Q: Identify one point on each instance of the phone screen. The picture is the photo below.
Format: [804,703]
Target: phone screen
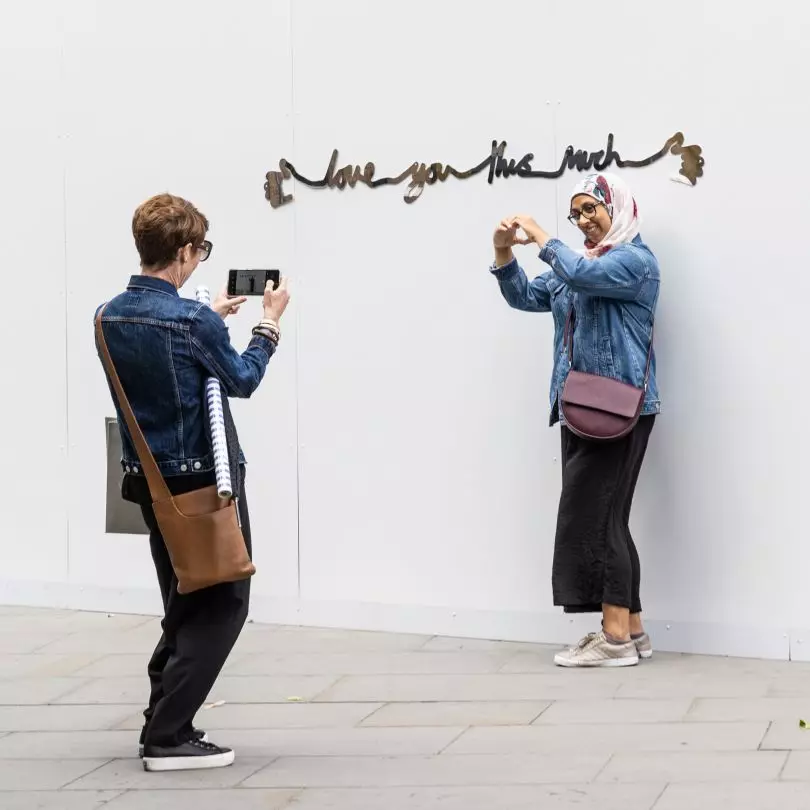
[251,282]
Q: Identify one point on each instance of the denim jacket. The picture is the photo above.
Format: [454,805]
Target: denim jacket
[164,347]
[614,299]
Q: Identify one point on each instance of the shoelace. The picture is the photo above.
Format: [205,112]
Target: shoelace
[584,642]
[205,746]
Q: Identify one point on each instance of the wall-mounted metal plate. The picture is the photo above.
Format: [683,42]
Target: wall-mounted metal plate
[123,517]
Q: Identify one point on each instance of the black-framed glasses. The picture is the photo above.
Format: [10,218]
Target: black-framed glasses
[205,248]
[588,211]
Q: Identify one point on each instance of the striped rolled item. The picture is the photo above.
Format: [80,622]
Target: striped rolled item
[213,395]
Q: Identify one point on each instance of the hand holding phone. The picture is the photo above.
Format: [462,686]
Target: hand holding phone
[276,300]
[251,282]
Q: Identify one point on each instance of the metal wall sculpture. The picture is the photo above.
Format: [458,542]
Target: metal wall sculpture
[496,164]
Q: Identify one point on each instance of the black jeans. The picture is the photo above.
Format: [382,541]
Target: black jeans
[199,629]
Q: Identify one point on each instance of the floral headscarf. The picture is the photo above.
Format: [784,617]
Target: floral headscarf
[617,199]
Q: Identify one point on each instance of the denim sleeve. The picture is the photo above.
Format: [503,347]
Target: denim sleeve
[240,374]
[620,273]
[519,292]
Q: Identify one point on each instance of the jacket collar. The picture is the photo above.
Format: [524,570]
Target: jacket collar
[142,282]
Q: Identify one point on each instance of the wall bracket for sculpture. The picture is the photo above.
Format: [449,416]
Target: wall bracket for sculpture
[496,164]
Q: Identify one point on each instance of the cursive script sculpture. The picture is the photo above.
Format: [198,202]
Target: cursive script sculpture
[422,174]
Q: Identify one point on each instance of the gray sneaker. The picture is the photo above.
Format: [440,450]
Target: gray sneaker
[644,646]
[596,651]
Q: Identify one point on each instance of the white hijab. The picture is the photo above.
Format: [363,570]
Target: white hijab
[617,198]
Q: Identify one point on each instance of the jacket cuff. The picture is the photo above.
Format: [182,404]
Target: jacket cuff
[265,344]
[549,250]
[504,271]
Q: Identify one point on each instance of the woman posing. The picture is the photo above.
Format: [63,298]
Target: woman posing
[607,294]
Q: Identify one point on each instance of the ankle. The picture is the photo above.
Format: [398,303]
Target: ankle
[617,639]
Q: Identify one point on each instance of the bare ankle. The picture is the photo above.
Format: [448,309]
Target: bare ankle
[636,625]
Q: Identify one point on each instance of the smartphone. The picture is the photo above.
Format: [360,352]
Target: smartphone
[251,282]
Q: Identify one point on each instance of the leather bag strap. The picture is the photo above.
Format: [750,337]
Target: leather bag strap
[157,484]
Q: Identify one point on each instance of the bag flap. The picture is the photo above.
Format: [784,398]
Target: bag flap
[602,394]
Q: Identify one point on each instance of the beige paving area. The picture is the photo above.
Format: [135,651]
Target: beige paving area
[342,720]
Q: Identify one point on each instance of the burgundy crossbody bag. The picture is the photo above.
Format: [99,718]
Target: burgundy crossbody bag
[596,407]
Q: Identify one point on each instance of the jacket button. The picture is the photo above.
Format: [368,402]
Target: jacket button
[135,469]
[127,468]
[197,465]
[184,467]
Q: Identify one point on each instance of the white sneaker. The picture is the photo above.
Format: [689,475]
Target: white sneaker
[596,651]
[644,646]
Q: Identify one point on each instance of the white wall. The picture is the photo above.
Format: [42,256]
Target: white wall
[402,474]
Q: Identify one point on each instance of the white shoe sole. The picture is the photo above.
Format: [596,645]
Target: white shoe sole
[163,764]
[604,662]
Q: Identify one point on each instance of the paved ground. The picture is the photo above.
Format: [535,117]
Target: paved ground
[336,720]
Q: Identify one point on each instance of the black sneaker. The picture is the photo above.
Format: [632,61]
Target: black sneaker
[190,756]
[196,734]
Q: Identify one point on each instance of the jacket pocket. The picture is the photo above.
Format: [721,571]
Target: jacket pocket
[606,366]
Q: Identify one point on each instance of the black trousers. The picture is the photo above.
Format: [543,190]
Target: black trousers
[595,559]
[199,629]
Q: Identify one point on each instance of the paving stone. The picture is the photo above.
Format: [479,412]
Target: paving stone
[798,766]
[121,665]
[336,742]
[366,663]
[43,665]
[57,800]
[204,800]
[787,735]
[71,622]
[247,689]
[318,640]
[427,771]
[273,715]
[421,688]
[69,745]
[742,709]
[694,766]
[348,720]
[21,641]
[64,718]
[39,774]
[736,796]
[449,644]
[128,774]
[666,685]
[614,711]
[556,797]
[503,713]
[609,738]
[36,691]
[120,691]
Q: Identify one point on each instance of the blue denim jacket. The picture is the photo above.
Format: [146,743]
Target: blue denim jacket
[164,347]
[614,299]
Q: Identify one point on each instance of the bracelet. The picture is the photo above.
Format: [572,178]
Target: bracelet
[269,322]
[274,332]
[273,337]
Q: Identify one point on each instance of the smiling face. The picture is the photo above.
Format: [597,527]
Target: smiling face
[591,217]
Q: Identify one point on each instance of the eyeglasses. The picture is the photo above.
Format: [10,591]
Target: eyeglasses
[205,248]
[588,211]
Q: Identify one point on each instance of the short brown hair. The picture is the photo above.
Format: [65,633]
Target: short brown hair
[164,224]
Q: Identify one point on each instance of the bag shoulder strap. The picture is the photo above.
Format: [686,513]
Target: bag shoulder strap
[568,338]
[157,484]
